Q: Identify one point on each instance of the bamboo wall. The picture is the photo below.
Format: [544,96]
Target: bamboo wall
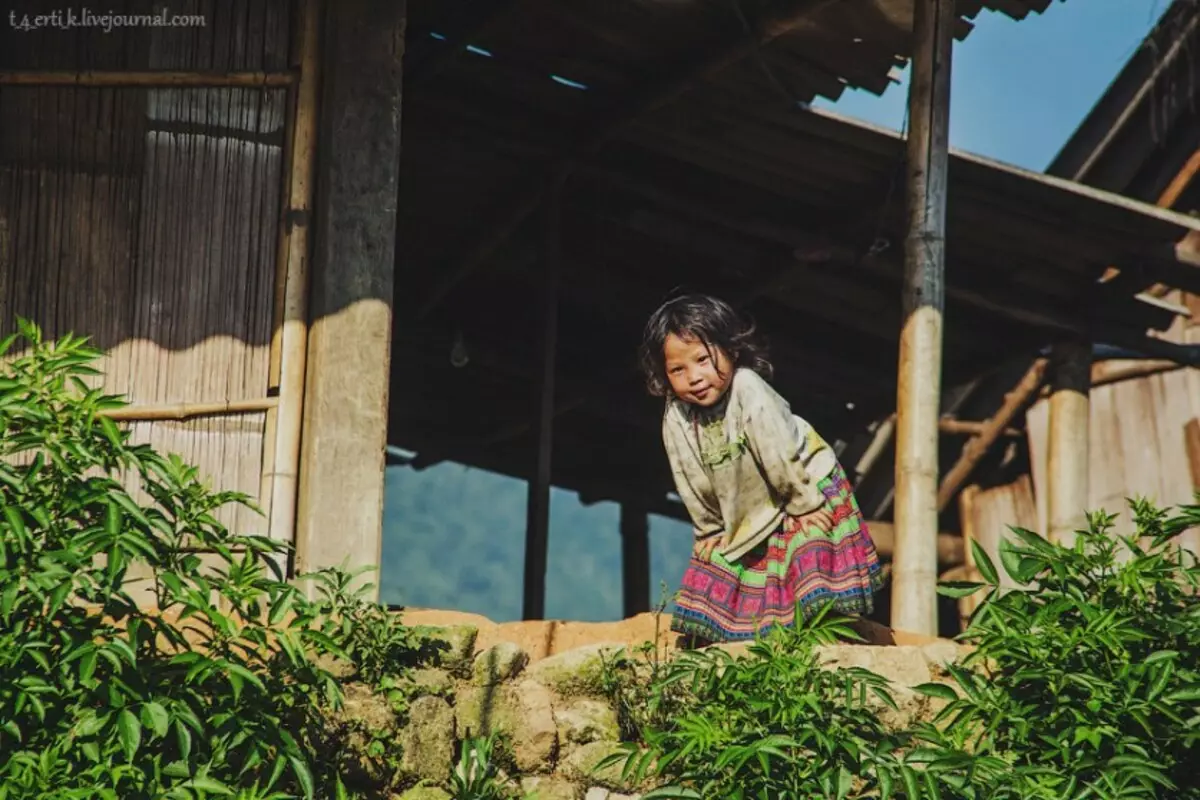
[149,219]
[1138,446]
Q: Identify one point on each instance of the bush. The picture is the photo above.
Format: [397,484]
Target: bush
[1082,683]
[773,724]
[1085,680]
[215,692]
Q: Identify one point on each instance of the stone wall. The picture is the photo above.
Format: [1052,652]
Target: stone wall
[555,719]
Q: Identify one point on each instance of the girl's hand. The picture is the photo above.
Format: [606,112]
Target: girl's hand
[704,547]
[819,519]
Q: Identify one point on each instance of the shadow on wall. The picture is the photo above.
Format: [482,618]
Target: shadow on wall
[454,538]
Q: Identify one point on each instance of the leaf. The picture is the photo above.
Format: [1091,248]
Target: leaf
[303,775]
[938,690]
[210,785]
[959,589]
[129,730]
[983,562]
[156,718]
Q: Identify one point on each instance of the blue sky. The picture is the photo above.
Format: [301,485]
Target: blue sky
[1019,89]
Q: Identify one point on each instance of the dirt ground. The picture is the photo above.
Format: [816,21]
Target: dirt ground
[541,639]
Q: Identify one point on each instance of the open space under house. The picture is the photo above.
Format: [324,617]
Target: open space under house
[306,230]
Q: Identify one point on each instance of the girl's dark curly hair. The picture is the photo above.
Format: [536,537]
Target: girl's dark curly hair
[714,322]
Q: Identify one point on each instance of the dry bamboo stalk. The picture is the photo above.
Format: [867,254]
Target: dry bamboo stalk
[970,427]
[966,516]
[1191,439]
[914,567]
[1067,493]
[181,411]
[1107,372]
[977,447]
[883,437]
[289,417]
[145,78]
[279,303]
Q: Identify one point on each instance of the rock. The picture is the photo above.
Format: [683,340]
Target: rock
[524,712]
[582,767]
[577,672]
[424,793]
[361,704]
[904,666]
[364,716]
[430,681]
[499,663]
[539,788]
[583,721]
[451,648]
[600,793]
[939,654]
[428,740]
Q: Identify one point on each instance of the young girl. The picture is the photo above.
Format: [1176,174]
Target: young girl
[776,522]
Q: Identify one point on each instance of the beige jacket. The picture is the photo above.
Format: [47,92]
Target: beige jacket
[741,467]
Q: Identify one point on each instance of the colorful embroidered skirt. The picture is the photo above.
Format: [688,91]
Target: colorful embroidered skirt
[723,601]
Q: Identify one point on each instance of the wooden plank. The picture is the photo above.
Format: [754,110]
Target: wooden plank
[914,573]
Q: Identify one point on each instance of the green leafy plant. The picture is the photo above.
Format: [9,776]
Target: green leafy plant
[476,775]
[770,724]
[211,690]
[1084,680]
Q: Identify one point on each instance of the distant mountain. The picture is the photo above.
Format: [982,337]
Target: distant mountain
[454,538]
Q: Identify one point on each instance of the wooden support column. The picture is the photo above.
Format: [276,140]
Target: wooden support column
[914,570]
[1067,473]
[340,513]
[635,559]
[537,514]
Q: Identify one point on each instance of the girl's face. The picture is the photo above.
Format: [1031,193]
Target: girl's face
[696,375]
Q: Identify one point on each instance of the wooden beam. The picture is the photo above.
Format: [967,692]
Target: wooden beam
[914,569]
[635,560]
[781,18]
[1067,445]
[978,446]
[537,531]
[154,78]
[1167,199]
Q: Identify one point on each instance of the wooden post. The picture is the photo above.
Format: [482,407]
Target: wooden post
[342,464]
[635,559]
[914,584]
[537,515]
[1067,473]
[290,342]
